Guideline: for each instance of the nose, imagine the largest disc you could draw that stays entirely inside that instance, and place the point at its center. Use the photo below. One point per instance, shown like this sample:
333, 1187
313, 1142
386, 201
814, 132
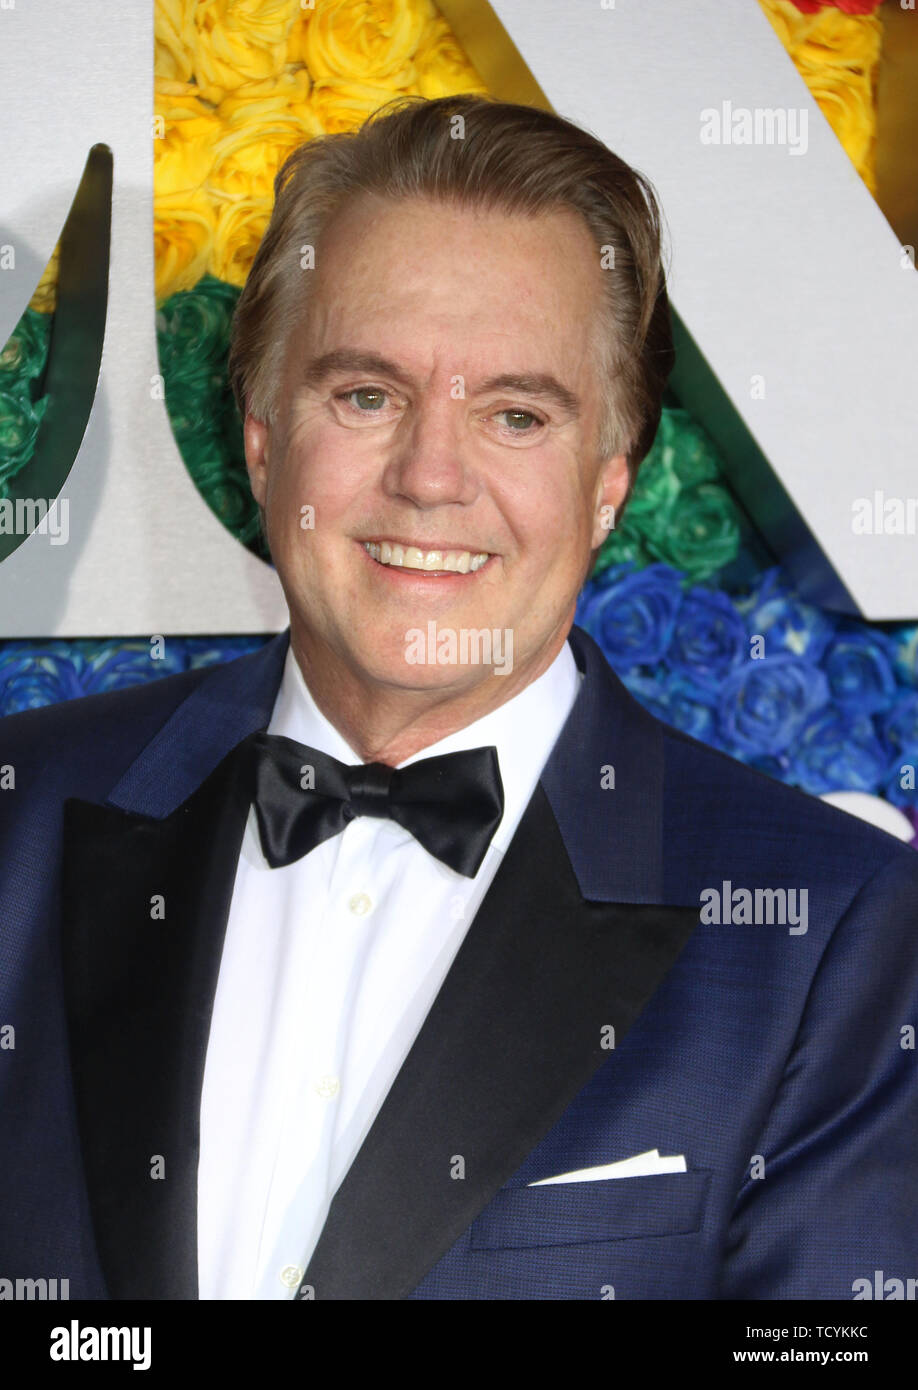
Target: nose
431, 461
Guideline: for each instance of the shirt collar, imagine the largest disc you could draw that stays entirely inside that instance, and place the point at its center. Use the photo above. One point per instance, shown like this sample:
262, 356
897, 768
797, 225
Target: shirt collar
523, 730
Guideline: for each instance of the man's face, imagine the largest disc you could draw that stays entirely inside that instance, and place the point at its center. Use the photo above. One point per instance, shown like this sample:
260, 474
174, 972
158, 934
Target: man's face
408, 437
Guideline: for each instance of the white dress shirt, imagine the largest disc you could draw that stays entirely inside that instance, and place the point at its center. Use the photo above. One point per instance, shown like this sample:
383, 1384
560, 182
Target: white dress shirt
330, 966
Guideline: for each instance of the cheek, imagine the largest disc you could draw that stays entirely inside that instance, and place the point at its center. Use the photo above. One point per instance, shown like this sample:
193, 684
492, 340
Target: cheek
547, 515
319, 473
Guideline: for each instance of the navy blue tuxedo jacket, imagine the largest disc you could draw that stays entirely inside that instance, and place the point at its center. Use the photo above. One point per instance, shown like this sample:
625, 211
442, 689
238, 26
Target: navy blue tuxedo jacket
774, 1061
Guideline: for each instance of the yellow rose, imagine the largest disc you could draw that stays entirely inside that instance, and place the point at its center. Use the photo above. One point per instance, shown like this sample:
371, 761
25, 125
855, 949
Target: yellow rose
247, 160
183, 234
241, 224
442, 67
840, 42
365, 41
183, 158
173, 29
239, 41
183, 216
346, 105
276, 95
261, 123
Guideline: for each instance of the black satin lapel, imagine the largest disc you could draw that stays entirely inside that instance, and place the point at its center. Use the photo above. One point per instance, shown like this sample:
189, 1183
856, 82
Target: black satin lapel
140, 991
513, 1035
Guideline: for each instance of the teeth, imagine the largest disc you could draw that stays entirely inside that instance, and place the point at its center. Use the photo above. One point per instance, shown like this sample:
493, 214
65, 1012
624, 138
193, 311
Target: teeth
411, 557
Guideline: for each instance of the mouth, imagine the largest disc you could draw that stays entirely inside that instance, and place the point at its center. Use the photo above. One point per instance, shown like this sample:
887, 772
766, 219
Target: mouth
429, 562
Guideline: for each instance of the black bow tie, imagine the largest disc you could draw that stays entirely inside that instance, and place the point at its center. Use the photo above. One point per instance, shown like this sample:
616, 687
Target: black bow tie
451, 804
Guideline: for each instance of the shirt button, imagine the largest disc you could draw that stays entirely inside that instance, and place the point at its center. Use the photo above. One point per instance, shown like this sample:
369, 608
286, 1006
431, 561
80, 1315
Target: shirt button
291, 1276
360, 904
327, 1086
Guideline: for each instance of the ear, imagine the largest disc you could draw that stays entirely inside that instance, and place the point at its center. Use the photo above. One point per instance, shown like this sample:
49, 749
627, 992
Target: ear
255, 434
611, 491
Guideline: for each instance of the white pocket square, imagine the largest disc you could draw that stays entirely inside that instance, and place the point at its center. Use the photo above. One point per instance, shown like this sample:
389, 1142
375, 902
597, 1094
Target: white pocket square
640, 1166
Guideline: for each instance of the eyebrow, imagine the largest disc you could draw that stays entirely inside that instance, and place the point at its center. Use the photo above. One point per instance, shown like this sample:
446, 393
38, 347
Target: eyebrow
340, 360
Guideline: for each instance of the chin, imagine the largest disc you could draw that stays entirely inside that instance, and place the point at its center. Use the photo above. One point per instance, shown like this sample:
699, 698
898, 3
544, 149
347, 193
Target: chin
429, 677
393, 670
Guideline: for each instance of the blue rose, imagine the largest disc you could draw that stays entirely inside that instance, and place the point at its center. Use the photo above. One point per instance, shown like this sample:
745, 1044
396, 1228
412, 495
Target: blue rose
774, 612
859, 668
709, 639
838, 753
631, 615
692, 710
765, 703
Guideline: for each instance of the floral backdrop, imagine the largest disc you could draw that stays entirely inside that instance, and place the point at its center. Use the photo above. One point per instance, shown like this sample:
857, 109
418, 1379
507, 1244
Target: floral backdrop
684, 591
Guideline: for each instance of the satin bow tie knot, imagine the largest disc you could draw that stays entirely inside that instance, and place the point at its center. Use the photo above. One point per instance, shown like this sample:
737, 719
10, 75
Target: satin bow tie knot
368, 790
451, 804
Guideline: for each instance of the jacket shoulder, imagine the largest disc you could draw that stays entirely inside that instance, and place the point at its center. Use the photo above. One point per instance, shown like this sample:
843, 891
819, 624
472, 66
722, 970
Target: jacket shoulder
712, 795
81, 747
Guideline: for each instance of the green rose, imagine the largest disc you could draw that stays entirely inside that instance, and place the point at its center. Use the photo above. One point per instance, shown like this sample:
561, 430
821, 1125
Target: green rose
193, 331
694, 457
23, 357
702, 533
195, 409
19, 422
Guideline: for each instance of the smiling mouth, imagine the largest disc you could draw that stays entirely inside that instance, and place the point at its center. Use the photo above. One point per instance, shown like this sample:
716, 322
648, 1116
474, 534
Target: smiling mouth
411, 557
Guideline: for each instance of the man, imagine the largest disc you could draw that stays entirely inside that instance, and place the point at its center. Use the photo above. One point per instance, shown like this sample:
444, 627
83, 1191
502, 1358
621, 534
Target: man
373, 965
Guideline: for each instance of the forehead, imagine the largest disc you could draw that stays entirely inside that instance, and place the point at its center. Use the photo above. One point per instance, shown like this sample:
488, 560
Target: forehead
384, 264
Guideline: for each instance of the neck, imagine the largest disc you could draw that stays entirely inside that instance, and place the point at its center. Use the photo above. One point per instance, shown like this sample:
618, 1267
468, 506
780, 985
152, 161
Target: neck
387, 723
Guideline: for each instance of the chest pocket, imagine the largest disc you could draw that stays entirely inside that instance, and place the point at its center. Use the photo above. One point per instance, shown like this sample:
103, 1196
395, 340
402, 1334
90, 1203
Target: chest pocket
580, 1213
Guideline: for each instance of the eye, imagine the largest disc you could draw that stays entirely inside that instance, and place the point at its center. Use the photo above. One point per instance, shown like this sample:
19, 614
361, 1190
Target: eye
521, 421
373, 395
